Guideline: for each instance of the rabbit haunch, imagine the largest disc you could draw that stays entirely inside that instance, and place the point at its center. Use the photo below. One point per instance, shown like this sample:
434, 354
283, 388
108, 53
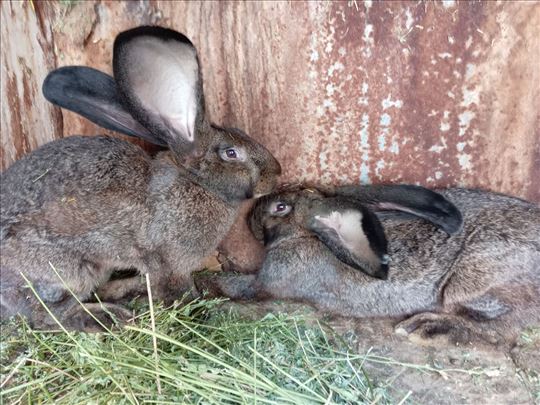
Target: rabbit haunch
91, 205
480, 283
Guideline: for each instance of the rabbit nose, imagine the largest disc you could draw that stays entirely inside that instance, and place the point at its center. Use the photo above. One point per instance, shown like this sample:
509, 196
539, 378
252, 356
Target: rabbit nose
265, 185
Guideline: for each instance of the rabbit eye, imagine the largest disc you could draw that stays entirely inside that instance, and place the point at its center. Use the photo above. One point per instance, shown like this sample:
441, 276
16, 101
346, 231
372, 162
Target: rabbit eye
232, 154
280, 208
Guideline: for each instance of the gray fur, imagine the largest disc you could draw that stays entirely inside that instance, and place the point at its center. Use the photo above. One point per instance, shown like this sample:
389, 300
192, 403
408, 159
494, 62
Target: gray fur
92, 205
483, 282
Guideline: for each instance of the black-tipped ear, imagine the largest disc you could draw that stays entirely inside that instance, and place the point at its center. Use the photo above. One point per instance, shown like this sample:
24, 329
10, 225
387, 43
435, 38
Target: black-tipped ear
414, 200
353, 234
158, 77
92, 94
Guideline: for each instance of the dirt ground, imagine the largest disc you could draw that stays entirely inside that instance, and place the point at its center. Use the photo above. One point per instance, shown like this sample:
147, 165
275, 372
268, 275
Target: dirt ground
431, 372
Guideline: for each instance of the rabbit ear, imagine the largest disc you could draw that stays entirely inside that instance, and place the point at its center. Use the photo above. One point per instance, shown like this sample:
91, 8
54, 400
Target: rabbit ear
414, 200
92, 94
353, 234
158, 77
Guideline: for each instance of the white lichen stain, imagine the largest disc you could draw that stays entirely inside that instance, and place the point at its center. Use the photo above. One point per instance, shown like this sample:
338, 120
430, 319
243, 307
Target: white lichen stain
464, 160
451, 39
382, 142
469, 70
448, 3
385, 124
388, 102
330, 89
465, 119
368, 4
444, 55
368, 39
314, 56
385, 120
323, 160
342, 51
439, 148
364, 146
394, 148
460, 146
365, 88
363, 99
470, 96
451, 95
438, 175
337, 66
378, 167
329, 47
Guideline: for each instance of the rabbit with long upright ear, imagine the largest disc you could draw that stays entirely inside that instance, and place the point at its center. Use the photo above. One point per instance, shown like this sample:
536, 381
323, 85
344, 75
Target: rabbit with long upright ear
480, 283
89, 205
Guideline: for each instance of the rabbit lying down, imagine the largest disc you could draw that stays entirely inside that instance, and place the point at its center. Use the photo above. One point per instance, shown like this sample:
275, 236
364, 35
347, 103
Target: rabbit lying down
327, 249
90, 205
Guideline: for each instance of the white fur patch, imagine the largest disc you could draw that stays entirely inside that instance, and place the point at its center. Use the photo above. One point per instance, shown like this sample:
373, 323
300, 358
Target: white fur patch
164, 77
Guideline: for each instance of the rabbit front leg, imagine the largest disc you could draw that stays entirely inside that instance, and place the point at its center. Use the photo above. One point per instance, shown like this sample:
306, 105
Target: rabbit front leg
234, 286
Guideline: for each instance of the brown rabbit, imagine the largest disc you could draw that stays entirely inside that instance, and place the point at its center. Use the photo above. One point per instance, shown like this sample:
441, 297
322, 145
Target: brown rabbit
482, 283
90, 205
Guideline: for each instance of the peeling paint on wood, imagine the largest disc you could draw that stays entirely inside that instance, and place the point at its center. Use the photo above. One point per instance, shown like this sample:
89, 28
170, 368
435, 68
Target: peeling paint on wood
434, 93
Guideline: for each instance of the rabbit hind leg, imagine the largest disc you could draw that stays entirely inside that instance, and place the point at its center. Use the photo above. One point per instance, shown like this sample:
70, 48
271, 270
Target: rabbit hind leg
430, 327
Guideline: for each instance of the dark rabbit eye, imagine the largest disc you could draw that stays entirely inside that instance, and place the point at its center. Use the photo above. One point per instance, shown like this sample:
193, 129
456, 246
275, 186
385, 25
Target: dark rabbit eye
231, 153
280, 208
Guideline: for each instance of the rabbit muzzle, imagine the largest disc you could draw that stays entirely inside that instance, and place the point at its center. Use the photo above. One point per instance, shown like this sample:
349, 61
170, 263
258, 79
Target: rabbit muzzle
268, 177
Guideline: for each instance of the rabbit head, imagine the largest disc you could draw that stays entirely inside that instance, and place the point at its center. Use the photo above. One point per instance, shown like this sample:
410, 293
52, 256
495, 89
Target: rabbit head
157, 95
344, 219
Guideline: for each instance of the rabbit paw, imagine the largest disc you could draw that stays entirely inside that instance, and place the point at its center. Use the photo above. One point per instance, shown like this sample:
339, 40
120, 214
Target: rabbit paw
96, 317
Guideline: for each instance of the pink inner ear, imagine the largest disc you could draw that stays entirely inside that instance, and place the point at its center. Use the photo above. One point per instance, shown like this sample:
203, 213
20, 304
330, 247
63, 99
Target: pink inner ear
348, 226
164, 77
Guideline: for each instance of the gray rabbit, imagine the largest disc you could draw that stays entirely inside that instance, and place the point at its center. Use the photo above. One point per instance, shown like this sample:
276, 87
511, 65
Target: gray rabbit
481, 284
90, 205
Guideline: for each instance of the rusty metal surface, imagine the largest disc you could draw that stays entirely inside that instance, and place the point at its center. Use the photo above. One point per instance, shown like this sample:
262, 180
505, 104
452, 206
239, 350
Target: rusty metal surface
438, 93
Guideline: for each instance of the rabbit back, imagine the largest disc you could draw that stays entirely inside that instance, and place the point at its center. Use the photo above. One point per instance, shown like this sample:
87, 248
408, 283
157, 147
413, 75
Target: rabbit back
79, 165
